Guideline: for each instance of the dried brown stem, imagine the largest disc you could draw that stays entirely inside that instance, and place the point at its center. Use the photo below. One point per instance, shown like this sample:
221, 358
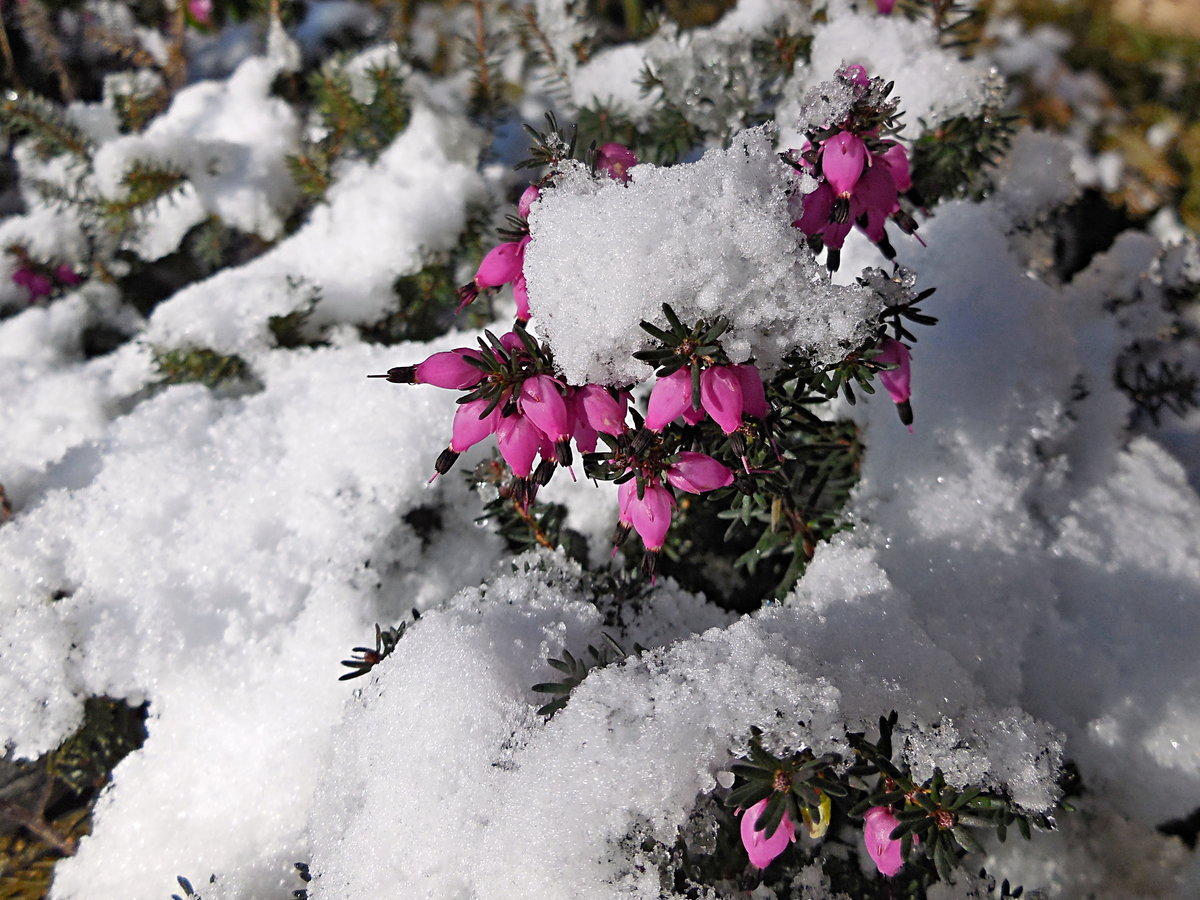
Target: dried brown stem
39, 32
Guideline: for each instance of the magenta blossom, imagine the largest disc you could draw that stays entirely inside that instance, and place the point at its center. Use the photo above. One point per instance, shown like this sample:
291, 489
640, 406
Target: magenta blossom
615, 160
721, 395
759, 847
843, 157
878, 825
698, 473
528, 197
895, 381
503, 264
448, 369
885, 6
670, 396
519, 441
650, 515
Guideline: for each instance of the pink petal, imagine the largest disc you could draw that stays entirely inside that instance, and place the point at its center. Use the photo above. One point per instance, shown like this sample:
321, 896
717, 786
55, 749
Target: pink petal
754, 395
817, 207
896, 158
895, 381
878, 825
669, 397
519, 440
761, 849
721, 394
698, 473
449, 369
616, 160
651, 515
541, 403
469, 428
528, 197
843, 157
600, 410
501, 265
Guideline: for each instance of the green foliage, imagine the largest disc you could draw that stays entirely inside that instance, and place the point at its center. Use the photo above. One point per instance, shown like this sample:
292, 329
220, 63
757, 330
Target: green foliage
576, 669
957, 158
352, 127
145, 183
368, 658
111, 730
29, 115
199, 365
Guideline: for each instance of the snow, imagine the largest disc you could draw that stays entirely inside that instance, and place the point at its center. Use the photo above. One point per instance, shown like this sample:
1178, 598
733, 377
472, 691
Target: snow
708, 238
1021, 584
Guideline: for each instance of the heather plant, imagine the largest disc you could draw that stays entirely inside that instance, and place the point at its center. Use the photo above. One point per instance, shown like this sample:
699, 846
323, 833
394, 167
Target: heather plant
773, 483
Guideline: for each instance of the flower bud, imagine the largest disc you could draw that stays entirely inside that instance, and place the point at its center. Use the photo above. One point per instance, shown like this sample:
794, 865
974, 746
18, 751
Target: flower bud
519, 441
760, 847
501, 265
843, 157
754, 394
651, 515
528, 197
895, 381
541, 403
448, 369
471, 425
669, 397
878, 825
600, 410
721, 394
698, 473
615, 160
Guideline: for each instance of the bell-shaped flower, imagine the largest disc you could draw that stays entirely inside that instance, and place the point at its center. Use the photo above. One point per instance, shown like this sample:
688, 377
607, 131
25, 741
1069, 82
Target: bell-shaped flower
885, 6
896, 158
519, 440
762, 849
501, 265
698, 473
651, 515
816, 209
754, 394
449, 369
843, 158
528, 197
878, 825
856, 74
615, 160
669, 397
600, 409
472, 423
521, 295
895, 381
876, 200
67, 275
721, 395
541, 403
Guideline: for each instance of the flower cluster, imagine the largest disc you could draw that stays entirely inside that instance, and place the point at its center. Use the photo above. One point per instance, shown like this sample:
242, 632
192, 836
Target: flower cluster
41, 280
505, 263
861, 173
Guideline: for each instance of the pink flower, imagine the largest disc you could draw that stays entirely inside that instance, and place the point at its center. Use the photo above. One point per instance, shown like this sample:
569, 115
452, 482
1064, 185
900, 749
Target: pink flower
503, 264
721, 395
651, 515
201, 11
528, 197
542, 404
896, 158
598, 408
471, 425
878, 825
885, 6
616, 160
65, 274
759, 847
37, 284
669, 397
843, 157
754, 395
856, 74
698, 473
519, 440
895, 381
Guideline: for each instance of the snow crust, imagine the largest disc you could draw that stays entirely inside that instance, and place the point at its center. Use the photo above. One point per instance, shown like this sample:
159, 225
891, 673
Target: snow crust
1023, 572
709, 238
